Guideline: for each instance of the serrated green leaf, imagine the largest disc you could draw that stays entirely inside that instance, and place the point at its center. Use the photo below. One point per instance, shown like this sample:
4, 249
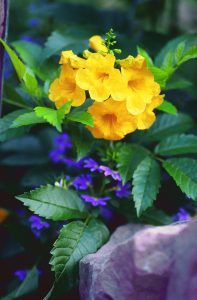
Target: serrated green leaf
24, 73
168, 108
177, 144
129, 157
146, 183
29, 284
7, 133
27, 119
76, 240
166, 125
54, 203
81, 117
184, 173
55, 117
143, 53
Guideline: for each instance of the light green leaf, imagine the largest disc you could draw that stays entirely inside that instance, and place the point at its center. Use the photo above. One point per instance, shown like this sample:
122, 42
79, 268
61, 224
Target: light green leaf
160, 75
29, 285
143, 53
76, 240
129, 157
54, 203
54, 117
166, 125
168, 108
81, 117
24, 73
27, 119
177, 144
184, 173
7, 133
146, 184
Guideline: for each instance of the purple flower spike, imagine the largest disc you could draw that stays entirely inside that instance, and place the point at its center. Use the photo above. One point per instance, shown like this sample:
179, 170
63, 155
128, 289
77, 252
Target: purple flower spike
38, 223
56, 156
63, 142
123, 191
95, 201
20, 274
91, 164
82, 182
109, 172
181, 215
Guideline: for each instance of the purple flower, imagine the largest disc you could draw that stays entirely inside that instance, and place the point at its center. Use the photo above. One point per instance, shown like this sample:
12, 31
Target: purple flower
56, 156
123, 191
32, 23
82, 182
91, 164
37, 224
181, 215
20, 274
109, 172
95, 201
106, 213
63, 142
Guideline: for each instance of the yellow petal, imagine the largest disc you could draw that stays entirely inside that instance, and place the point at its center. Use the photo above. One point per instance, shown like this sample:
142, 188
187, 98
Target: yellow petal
96, 43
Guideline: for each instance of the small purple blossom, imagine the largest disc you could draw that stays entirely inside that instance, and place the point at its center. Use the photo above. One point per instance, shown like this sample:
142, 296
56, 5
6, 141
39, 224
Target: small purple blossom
20, 274
91, 164
106, 213
123, 191
109, 172
37, 224
63, 142
95, 201
181, 215
82, 182
56, 155
32, 23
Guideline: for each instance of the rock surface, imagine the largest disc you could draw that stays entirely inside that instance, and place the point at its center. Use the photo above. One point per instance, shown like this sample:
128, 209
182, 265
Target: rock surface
143, 263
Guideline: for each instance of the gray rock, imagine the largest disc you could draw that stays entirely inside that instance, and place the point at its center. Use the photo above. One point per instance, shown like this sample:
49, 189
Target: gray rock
143, 263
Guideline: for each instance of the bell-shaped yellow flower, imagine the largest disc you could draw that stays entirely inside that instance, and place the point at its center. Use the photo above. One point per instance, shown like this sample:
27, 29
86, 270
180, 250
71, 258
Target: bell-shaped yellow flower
64, 88
68, 57
98, 76
97, 43
147, 118
139, 86
112, 121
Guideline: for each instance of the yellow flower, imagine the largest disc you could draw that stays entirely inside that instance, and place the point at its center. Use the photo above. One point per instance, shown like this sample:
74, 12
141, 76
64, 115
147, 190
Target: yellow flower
112, 121
96, 43
147, 118
3, 214
64, 88
139, 87
98, 76
68, 57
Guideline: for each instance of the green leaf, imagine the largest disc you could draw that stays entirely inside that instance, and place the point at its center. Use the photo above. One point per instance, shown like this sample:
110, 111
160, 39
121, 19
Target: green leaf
76, 240
168, 108
143, 53
184, 173
54, 203
7, 133
160, 75
177, 144
29, 285
81, 117
155, 217
178, 83
166, 125
24, 73
27, 119
54, 117
146, 184
129, 157
82, 140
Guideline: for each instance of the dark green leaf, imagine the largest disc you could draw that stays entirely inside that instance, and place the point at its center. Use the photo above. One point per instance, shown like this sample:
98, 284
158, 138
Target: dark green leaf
146, 183
184, 173
29, 118
76, 240
168, 108
143, 53
177, 144
166, 125
54, 203
178, 83
129, 157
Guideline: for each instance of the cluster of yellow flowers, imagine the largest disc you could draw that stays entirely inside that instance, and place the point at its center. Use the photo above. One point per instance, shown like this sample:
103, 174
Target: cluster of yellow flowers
124, 91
